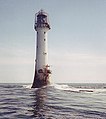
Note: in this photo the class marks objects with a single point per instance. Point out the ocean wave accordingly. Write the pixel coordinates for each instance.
(69, 88)
(27, 86)
(78, 90)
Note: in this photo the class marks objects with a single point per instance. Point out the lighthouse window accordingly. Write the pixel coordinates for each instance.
(44, 32)
(44, 39)
(44, 53)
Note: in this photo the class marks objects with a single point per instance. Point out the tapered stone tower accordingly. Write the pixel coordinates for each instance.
(42, 69)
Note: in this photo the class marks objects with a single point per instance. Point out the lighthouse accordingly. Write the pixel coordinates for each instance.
(42, 69)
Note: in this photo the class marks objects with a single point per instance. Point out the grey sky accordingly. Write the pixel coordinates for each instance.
(77, 40)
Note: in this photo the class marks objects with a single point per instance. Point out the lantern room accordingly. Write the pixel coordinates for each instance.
(41, 20)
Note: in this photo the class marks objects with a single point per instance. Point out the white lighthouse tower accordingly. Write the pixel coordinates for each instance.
(42, 69)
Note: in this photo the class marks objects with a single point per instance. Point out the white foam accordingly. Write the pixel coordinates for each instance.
(27, 86)
(61, 87)
(68, 88)
(72, 89)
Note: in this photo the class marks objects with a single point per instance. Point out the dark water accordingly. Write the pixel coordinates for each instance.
(59, 101)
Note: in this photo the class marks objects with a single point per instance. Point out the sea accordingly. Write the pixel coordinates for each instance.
(57, 101)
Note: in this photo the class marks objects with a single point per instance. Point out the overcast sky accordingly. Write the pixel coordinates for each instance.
(77, 40)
